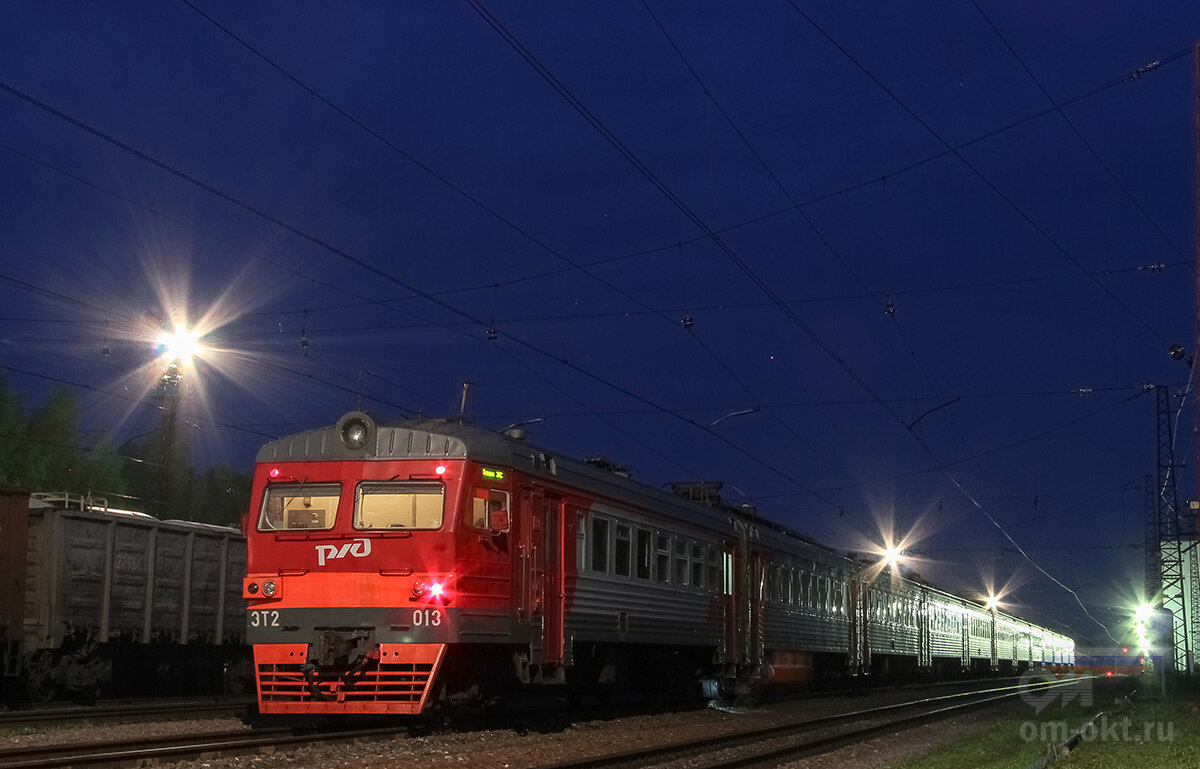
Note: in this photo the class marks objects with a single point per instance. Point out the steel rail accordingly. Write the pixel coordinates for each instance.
(160, 709)
(646, 756)
(146, 751)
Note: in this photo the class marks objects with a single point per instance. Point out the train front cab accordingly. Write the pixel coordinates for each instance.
(364, 575)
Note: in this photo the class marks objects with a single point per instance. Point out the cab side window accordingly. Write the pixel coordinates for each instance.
(484, 502)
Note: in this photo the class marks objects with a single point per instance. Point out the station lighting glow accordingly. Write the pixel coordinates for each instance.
(993, 603)
(1141, 626)
(892, 555)
(174, 351)
(181, 343)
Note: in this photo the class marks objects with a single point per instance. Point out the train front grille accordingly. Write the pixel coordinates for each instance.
(398, 682)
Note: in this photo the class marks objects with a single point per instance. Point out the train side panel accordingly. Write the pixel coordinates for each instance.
(642, 581)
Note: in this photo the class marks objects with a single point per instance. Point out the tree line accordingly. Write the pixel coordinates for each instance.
(44, 450)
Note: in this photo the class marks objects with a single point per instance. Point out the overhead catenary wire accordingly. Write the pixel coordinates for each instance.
(386, 275)
(987, 182)
(679, 204)
(492, 332)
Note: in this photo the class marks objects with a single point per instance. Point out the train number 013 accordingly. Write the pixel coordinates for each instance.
(427, 617)
(264, 618)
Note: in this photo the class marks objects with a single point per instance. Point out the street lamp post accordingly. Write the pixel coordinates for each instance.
(168, 392)
(176, 349)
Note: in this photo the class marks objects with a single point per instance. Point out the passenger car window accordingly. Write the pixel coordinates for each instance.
(290, 506)
(662, 557)
(623, 551)
(643, 554)
(398, 505)
(697, 579)
(600, 545)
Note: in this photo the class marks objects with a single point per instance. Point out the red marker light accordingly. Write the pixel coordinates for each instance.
(440, 469)
(1108, 674)
(274, 472)
(430, 591)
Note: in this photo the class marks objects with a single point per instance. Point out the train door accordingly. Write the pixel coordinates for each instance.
(733, 591)
(540, 580)
(858, 661)
(925, 623)
(756, 642)
(744, 573)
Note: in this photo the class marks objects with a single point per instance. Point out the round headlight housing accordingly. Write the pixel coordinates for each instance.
(269, 588)
(355, 430)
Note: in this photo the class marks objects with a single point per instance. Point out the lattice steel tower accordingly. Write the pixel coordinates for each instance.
(1171, 526)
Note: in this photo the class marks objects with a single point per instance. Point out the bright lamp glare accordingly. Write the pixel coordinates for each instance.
(436, 589)
(180, 344)
(892, 555)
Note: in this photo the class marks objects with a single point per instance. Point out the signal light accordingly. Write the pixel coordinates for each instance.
(274, 472)
(431, 590)
(261, 588)
(440, 469)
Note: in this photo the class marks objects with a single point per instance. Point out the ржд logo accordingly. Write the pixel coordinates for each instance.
(358, 548)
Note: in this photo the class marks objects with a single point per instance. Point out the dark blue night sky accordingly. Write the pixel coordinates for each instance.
(898, 267)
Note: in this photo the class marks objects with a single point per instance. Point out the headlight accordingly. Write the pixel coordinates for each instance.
(355, 430)
(269, 588)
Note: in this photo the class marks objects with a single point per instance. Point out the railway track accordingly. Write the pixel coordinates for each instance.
(125, 711)
(154, 750)
(772, 745)
(758, 746)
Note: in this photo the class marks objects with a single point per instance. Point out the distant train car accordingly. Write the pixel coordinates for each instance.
(396, 568)
(1111, 661)
(114, 600)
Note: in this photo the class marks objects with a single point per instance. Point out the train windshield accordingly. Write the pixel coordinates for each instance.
(289, 506)
(398, 505)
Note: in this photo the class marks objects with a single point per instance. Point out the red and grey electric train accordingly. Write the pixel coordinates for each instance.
(393, 568)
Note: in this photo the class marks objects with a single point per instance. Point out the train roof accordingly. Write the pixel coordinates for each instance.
(442, 438)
